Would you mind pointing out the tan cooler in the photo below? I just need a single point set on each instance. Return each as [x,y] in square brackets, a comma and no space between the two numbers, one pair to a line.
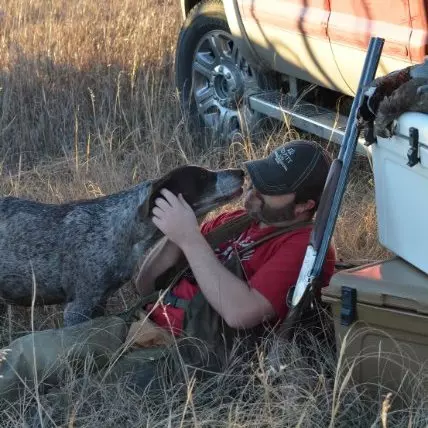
[381,324]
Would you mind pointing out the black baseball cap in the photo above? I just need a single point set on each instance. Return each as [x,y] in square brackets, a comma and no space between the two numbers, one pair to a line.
[299,165]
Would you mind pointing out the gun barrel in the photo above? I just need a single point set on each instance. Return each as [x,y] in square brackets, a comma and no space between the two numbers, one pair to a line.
[347,150]
[326,220]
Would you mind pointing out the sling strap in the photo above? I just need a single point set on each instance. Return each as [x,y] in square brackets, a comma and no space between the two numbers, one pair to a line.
[215,237]
[177,302]
[164,281]
[220,234]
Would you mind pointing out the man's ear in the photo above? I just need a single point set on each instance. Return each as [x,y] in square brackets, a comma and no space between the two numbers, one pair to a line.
[305,206]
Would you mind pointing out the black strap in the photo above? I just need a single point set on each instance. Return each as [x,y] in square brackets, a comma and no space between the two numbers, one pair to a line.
[178,302]
[215,237]
[274,234]
[174,301]
[168,299]
[130,315]
[220,234]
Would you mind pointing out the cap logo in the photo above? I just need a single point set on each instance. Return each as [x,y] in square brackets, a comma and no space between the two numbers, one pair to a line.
[284,157]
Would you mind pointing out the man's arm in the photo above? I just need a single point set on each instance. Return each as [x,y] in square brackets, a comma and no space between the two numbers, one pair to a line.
[239,305]
[163,256]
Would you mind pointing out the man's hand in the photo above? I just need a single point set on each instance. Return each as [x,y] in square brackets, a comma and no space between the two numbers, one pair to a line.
[176,219]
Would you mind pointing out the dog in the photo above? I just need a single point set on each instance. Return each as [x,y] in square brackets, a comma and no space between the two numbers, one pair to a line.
[410,96]
[79,253]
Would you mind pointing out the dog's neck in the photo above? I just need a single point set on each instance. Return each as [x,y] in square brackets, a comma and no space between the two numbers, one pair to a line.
[151,234]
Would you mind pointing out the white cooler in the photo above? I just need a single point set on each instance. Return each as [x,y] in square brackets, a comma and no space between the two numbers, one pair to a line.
[402,191]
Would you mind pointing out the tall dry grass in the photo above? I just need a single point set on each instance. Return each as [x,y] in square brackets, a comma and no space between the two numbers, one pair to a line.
[88,107]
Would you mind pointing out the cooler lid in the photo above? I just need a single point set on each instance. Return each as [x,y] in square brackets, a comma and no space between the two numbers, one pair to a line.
[392,283]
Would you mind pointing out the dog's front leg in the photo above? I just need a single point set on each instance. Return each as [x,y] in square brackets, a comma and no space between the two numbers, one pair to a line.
[81,310]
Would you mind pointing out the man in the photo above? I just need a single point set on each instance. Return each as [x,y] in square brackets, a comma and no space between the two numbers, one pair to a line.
[284,190]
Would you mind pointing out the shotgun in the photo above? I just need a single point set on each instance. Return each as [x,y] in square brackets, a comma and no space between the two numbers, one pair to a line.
[308,281]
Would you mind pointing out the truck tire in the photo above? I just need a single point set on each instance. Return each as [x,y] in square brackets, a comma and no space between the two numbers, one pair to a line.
[213,79]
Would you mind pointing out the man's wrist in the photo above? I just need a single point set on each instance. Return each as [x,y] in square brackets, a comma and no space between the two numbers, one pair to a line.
[196,240]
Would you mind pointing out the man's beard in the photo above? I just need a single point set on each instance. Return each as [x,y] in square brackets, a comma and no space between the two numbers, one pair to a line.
[269,215]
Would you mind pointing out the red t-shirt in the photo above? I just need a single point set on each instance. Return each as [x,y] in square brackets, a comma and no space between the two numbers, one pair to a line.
[271,268]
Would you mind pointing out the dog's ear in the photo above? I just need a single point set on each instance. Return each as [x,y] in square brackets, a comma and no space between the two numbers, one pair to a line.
[145,209]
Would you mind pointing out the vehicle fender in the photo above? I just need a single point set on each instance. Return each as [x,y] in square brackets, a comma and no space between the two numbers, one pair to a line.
[237,29]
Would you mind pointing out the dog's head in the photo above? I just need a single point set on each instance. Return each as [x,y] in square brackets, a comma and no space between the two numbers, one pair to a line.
[203,189]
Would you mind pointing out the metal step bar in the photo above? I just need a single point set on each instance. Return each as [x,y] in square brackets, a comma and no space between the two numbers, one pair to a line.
[308,117]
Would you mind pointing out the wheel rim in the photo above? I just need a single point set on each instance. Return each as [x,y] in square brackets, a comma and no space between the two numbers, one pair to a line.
[222,80]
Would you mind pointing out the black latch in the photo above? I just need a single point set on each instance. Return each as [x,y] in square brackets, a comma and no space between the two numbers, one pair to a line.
[413,152]
[348,312]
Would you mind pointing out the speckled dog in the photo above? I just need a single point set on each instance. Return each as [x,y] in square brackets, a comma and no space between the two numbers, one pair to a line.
[81,252]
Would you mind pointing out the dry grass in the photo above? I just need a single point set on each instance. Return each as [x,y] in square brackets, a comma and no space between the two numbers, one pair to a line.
[305,393]
[88,107]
